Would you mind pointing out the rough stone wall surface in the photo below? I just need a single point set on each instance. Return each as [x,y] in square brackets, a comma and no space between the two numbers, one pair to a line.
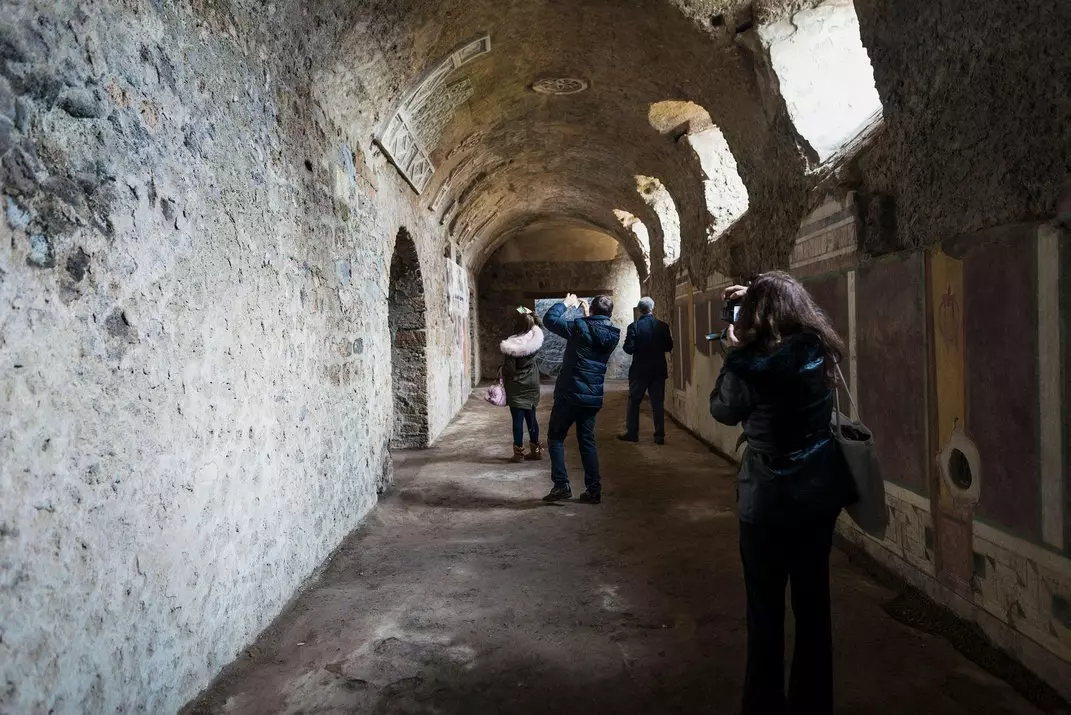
[195,384]
[407,322]
[985,138]
[439,109]
[503,286]
[553,352]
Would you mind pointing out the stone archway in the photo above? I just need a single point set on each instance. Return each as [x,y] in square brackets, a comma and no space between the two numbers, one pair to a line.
[406,317]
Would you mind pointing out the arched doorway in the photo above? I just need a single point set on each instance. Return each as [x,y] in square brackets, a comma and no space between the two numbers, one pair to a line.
[409,342]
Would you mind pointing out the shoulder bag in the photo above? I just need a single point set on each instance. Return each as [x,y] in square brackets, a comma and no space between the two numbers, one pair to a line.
[855,442]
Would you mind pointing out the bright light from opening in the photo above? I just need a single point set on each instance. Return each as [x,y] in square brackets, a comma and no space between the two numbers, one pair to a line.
[825,75]
[726,195]
[659,199]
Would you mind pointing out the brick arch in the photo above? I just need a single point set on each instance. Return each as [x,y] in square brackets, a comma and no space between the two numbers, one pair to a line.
[407,320]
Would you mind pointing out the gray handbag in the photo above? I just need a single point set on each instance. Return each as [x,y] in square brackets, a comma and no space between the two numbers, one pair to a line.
[856,445]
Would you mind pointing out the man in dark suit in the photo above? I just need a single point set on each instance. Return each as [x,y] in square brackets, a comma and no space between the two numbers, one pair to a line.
[647,341]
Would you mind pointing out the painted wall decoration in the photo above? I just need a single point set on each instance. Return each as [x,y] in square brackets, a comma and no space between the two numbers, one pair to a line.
[959,367]
[1000,322]
[891,325]
[457,296]
[682,335]
[412,131]
[831,293]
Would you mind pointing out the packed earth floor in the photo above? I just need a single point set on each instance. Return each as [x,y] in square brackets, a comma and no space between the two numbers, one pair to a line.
[464,593]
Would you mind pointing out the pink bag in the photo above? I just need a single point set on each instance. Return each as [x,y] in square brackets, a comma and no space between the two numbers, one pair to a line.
[496,394]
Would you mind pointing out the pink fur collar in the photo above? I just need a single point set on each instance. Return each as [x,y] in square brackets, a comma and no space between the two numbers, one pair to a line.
[523,344]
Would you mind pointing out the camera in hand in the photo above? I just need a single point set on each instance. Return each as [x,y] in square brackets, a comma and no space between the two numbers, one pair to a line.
[730,311]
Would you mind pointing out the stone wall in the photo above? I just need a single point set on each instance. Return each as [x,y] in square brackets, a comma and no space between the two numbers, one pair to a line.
[551,356]
[407,322]
[195,353]
[983,139]
[504,286]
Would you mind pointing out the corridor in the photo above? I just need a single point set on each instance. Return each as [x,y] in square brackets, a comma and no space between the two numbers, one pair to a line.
[258,256]
[463,593]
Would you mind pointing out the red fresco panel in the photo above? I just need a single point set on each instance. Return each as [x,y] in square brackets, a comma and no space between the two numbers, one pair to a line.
[954,550]
[1000,311]
[831,294]
[678,354]
[702,326]
[686,354]
[1065,297]
[892,365]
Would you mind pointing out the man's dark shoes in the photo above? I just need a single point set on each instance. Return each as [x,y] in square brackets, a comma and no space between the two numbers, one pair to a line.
[558,494]
[628,438]
[659,440]
[589,498]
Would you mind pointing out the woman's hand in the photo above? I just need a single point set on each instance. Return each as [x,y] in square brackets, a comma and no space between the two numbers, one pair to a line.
[585,308]
[570,300]
[734,293]
[730,339]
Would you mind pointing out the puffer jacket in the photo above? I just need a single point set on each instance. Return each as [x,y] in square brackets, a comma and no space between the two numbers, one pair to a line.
[791,471]
[519,371]
[591,341]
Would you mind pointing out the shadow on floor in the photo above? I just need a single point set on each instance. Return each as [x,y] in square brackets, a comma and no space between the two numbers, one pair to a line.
[457,499]
[462,594]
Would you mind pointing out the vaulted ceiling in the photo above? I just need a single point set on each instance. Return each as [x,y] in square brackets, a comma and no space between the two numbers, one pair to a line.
[497,156]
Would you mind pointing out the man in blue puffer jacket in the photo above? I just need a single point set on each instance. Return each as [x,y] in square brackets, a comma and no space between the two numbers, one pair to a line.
[578,391]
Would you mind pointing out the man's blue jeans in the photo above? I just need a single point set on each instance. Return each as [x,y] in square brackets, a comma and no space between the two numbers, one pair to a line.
[562,417]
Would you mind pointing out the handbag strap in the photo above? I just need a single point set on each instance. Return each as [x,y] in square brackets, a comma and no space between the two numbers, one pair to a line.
[844,382]
[836,407]
[836,396]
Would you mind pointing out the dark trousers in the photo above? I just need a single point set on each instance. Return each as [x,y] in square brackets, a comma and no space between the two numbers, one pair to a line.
[562,417]
[519,418]
[773,556]
[656,389]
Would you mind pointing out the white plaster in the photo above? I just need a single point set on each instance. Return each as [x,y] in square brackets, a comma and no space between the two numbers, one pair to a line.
[661,202]
[959,441]
[906,495]
[825,75]
[1022,547]
[726,195]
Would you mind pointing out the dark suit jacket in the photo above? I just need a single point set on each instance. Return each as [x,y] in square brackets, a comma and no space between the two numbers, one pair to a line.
[647,341]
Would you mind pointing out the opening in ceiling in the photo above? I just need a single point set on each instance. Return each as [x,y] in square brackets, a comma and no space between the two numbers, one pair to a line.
[724,191]
[637,228]
[661,202]
[825,75]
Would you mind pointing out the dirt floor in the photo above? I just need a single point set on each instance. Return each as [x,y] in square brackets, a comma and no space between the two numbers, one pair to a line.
[464,593]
